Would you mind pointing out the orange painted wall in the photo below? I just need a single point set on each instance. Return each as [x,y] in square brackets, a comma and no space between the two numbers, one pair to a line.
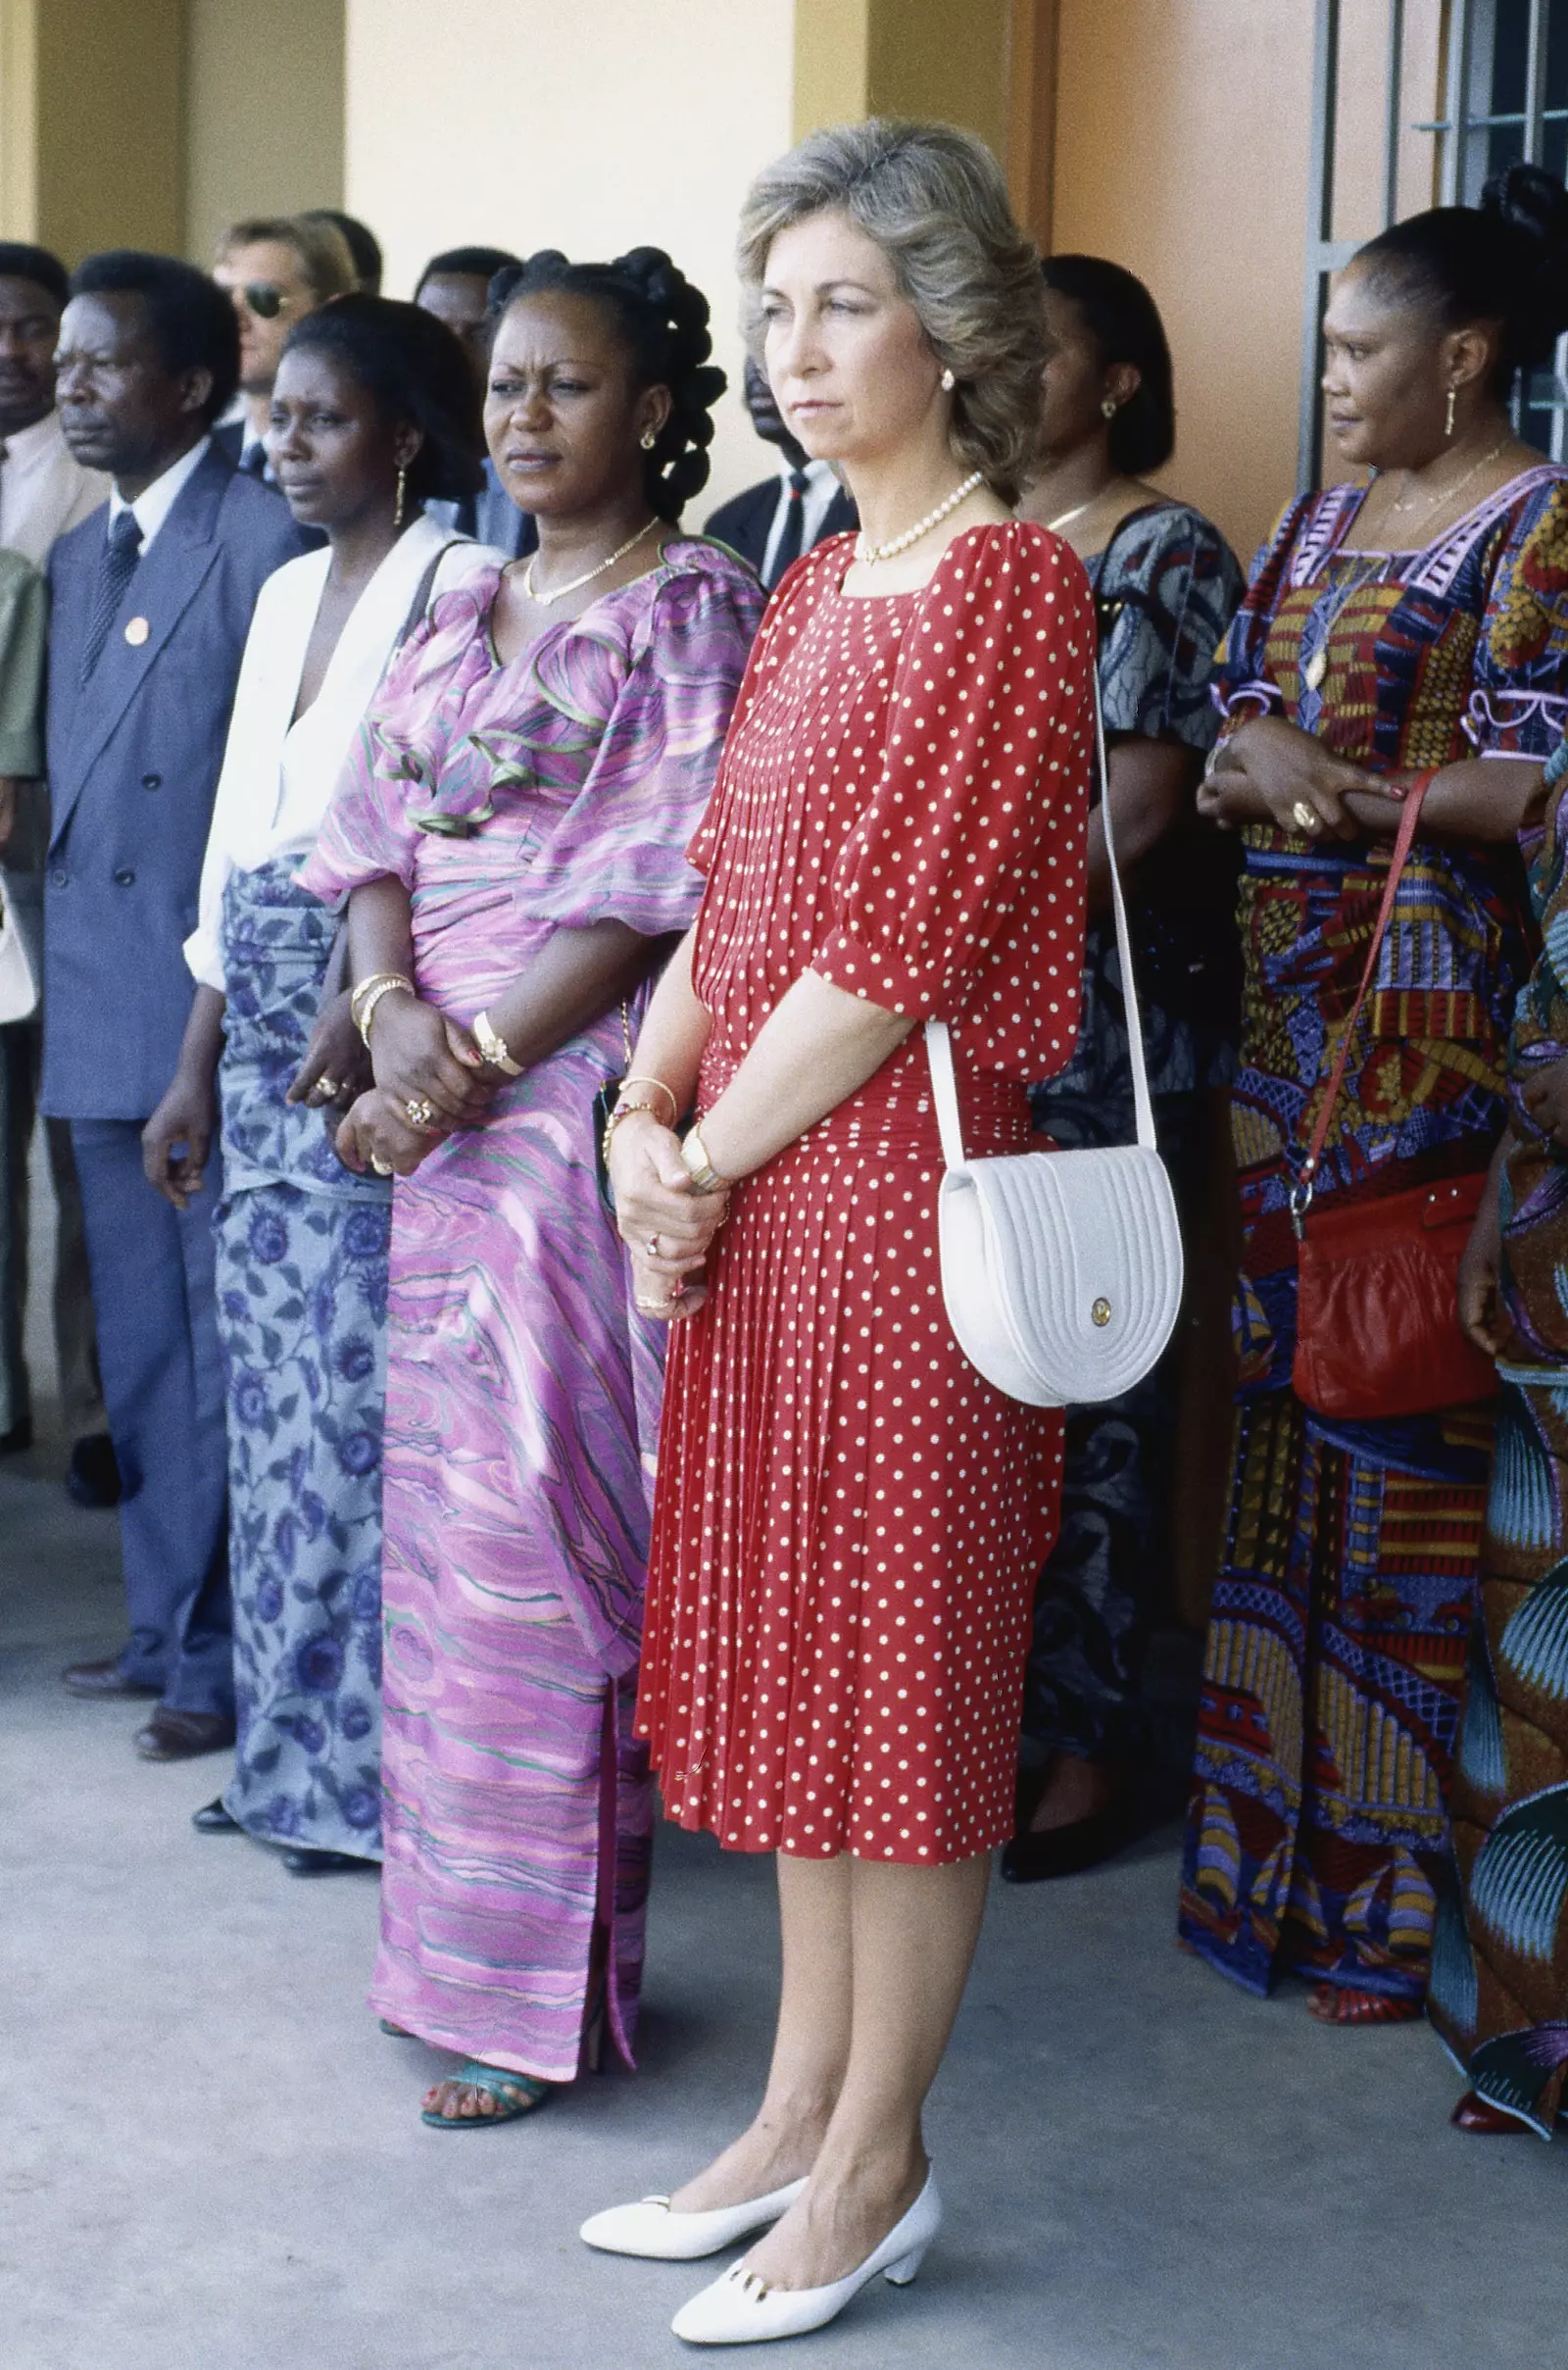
[1182,148]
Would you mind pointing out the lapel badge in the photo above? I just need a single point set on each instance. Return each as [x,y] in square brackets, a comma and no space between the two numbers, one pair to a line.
[136,632]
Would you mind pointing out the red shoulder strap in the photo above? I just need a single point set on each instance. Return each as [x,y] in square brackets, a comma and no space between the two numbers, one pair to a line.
[1414,799]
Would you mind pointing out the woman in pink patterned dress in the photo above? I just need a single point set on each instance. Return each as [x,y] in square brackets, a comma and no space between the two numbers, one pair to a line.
[511,840]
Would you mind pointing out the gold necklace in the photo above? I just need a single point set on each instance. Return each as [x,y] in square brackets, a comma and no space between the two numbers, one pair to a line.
[1433,499]
[547,599]
[871,552]
[1053,526]
[1317,667]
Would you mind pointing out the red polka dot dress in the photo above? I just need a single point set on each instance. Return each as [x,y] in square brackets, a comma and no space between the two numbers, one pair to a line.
[849,1520]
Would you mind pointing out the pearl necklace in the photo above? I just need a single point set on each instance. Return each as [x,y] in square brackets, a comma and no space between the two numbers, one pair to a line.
[545,600]
[873,552]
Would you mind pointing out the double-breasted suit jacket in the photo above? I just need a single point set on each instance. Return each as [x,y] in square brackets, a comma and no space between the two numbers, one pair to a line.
[135,755]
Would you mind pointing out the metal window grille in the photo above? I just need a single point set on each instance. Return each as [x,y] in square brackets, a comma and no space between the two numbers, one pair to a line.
[1504,77]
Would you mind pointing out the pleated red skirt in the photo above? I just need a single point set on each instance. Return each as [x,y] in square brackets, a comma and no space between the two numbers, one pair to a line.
[849,1520]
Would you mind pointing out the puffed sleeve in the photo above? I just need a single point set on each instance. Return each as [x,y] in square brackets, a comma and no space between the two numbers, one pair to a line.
[393,773]
[1518,703]
[1166,592]
[1241,688]
[619,853]
[974,831]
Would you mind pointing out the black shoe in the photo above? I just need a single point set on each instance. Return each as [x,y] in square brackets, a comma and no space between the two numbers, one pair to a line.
[106,1678]
[1031,1860]
[301,1862]
[19,1440]
[212,1820]
[93,1476]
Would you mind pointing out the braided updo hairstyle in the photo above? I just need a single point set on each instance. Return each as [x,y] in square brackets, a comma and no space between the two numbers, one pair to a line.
[1505,259]
[662,321]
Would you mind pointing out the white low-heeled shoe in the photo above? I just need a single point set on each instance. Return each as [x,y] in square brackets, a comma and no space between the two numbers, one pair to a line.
[741,2309]
[653,2228]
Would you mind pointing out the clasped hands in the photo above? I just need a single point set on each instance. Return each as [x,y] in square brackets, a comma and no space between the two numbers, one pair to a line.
[1271,769]
[666,1223]
[429,1077]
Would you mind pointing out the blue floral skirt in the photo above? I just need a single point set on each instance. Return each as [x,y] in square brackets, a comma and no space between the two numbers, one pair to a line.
[302,1269]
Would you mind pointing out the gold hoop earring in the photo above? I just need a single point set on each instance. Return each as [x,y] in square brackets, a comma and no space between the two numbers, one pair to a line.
[1448,418]
[947,382]
[403,488]
[648,440]
[1108,406]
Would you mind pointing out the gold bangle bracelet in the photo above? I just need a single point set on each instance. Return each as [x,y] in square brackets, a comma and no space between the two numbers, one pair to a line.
[622,1110]
[375,980]
[367,1013]
[635,1080]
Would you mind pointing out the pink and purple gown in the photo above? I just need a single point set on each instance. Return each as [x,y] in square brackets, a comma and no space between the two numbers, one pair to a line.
[554,792]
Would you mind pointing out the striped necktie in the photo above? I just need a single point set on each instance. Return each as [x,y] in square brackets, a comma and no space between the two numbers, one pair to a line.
[117,566]
[792,535]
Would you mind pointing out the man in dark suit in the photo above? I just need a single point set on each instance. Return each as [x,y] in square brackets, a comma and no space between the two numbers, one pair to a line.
[152,601]
[773,523]
[456,287]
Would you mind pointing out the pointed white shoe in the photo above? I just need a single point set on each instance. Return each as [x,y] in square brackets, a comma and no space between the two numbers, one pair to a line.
[653,2228]
[740,2309]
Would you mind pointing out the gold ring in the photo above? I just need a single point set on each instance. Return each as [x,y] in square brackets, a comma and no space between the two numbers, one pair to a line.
[420,1111]
[657,1307]
[1306,818]
[383,1168]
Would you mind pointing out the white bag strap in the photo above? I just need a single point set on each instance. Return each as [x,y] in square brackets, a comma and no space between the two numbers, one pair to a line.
[939,1043]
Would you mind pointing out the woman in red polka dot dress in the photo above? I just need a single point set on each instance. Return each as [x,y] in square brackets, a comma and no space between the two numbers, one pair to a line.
[849,1518]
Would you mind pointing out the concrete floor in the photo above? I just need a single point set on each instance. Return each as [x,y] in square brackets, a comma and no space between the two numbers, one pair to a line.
[211,2158]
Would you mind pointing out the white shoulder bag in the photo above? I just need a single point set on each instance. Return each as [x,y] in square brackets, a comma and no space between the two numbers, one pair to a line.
[1061,1271]
[19,984]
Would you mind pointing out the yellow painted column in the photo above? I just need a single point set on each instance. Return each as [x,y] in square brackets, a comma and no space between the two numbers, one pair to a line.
[942,59]
[92,123]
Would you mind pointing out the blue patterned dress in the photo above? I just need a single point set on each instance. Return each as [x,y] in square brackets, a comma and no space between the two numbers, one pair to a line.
[302,1277]
[1498,1995]
[1166,586]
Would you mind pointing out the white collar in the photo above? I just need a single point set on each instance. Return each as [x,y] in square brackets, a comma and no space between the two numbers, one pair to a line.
[815,473]
[154,502]
[25,446]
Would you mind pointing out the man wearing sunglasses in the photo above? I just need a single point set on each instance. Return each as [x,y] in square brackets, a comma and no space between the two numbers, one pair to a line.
[275,269]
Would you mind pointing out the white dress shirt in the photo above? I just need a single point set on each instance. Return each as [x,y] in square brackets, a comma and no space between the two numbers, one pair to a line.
[279,771]
[43,492]
[822,484]
[154,502]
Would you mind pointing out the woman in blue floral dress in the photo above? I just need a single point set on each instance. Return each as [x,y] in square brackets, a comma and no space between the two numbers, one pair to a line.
[375,410]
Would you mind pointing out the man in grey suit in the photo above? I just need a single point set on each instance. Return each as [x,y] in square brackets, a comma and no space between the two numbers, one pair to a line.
[152,601]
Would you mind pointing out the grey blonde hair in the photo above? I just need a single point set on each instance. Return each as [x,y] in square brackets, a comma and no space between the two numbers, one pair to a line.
[934,200]
[326,265]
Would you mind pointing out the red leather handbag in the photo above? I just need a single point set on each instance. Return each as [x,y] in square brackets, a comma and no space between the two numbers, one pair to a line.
[1377,1322]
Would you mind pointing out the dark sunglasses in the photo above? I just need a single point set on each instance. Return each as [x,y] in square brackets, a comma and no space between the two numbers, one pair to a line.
[264,300]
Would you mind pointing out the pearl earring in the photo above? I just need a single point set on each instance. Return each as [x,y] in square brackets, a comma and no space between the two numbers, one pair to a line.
[947,382]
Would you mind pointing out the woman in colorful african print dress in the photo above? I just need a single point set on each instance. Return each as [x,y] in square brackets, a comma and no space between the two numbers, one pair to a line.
[1500,1962]
[1165,585]
[511,838]
[1420,621]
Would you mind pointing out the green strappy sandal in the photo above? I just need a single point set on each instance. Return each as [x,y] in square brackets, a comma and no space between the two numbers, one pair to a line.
[514,2095]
